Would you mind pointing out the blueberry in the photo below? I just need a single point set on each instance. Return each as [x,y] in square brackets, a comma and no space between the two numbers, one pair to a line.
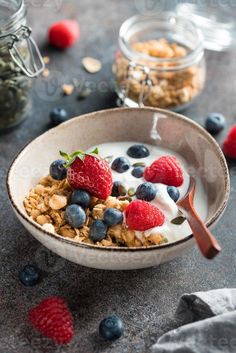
[146,191]
[29,275]
[138,151]
[137,172]
[111,328]
[120,164]
[118,189]
[215,122]
[81,197]
[75,216]
[57,170]
[173,192]
[112,217]
[58,116]
[98,231]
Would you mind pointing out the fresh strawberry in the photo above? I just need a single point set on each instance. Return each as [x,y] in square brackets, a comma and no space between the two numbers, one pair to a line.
[229,146]
[53,319]
[64,34]
[142,215]
[165,170]
[89,172]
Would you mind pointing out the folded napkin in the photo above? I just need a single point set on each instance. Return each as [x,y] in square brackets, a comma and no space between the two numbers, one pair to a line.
[209,324]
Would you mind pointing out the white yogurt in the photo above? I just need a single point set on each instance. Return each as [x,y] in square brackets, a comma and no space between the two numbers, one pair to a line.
[163,201]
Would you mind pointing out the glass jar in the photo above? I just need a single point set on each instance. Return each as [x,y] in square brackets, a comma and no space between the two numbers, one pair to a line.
[20,60]
[160,62]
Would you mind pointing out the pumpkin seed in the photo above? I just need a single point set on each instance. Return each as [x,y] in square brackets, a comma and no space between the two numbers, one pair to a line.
[109,159]
[178,220]
[14,89]
[131,192]
[84,93]
[122,190]
[139,164]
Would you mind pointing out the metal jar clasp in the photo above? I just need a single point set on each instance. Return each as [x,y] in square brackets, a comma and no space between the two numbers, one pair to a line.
[146,83]
[35,65]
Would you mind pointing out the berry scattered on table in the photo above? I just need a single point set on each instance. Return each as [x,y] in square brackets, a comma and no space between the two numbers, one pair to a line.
[98,230]
[137,172]
[215,122]
[53,319]
[75,216]
[57,170]
[111,328]
[166,170]
[29,275]
[58,116]
[64,34]
[146,191]
[118,189]
[120,165]
[229,146]
[112,217]
[138,151]
[81,198]
[90,173]
[173,193]
[142,215]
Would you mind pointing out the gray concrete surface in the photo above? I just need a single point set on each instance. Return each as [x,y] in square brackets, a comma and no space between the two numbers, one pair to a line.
[145,299]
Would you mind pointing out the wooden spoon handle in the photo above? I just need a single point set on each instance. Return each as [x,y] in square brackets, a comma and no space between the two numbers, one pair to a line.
[207,243]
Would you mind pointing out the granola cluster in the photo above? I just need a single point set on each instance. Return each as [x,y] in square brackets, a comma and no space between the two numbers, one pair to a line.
[162,88]
[46,204]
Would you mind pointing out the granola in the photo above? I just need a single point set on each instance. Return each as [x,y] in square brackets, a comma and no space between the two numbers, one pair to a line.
[167,85]
[46,204]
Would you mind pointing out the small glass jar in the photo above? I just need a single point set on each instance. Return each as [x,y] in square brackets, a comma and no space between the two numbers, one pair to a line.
[20,60]
[160,62]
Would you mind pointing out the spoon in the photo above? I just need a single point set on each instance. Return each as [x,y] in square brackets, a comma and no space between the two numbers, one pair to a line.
[207,243]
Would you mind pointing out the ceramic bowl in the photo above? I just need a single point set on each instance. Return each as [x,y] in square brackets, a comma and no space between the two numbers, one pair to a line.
[147,125]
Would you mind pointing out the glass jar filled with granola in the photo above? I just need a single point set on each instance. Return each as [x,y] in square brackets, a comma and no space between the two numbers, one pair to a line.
[160,62]
[20,61]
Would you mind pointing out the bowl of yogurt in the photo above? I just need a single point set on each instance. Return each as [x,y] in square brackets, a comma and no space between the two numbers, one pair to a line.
[41,202]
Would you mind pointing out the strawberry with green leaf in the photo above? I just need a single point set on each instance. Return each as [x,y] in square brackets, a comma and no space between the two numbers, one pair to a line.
[88,171]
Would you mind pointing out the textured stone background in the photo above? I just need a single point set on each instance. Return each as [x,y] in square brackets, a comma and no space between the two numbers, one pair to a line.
[144,299]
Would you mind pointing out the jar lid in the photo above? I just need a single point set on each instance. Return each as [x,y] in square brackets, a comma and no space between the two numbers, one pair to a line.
[217,25]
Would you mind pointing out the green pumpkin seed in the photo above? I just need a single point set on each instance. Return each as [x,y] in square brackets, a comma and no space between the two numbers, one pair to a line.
[131,192]
[139,164]
[109,159]
[122,190]
[178,220]
[14,89]
[84,93]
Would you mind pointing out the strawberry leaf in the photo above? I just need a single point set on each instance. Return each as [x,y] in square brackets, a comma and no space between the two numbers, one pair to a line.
[77,154]
[64,155]
[95,151]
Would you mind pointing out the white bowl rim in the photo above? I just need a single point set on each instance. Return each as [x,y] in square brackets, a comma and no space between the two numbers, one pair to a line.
[210,222]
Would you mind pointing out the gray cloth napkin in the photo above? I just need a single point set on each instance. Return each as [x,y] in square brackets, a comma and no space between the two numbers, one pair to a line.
[209,324]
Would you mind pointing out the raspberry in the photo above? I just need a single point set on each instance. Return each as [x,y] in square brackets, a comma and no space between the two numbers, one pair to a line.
[229,146]
[142,215]
[53,319]
[165,170]
[64,34]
